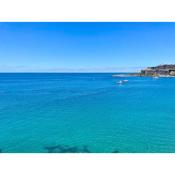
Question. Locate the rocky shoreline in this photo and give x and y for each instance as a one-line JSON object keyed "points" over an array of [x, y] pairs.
{"points": [[165, 70]]}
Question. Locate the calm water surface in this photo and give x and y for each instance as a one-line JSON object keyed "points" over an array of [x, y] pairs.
{"points": [[86, 113]]}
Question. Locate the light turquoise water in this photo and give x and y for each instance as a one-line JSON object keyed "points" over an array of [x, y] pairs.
{"points": [[86, 113]]}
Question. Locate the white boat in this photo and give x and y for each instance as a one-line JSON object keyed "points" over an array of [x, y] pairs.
{"points": [[155, 77], [122, 81], [125, 81]]}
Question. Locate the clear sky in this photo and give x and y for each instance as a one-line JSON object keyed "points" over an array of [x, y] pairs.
{"points": [[84, 47]]}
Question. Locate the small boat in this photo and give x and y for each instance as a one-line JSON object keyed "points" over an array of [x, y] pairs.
{"points": [[125, 81], [155, 77], [122, 81]]}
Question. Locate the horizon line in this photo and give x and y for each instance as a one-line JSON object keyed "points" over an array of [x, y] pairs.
{"points": [[72, 72]]}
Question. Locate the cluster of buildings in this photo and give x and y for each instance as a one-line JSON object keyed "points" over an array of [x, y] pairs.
{"points": [[161, 70]]}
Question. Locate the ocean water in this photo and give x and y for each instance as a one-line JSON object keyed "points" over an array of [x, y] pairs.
{"points": [[47, 112]]}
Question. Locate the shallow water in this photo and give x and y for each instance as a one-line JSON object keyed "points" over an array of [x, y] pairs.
{"points": [[86, 113]]}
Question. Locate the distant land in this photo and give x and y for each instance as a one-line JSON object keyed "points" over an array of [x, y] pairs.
{"points": [[164, 70], [161, 70]]}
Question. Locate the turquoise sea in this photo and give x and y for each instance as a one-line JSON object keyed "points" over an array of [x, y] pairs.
{"points": [[88, 112]]}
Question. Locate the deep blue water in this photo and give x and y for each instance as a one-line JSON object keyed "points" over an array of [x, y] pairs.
{"points": [[86, 113]]}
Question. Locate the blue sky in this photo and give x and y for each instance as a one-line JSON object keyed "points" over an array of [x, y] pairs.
{"points": [[85, 47]]}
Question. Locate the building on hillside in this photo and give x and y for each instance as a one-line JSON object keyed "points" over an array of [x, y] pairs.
{"points": [[161, 70]]}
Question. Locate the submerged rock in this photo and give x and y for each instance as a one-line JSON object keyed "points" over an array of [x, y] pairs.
{"points": [[85, 149], [66, 149]]}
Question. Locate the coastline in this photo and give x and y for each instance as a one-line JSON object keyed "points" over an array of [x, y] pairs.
{"points": [[139, 75], [165, 71]]}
